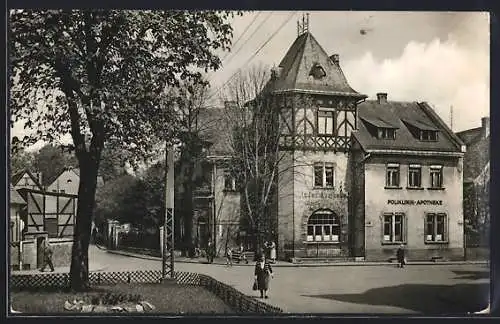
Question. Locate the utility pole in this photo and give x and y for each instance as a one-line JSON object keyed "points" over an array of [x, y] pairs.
{"points": [[168, 226]]}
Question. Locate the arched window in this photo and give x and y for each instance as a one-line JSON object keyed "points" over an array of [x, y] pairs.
{"points": [[323, 226]]}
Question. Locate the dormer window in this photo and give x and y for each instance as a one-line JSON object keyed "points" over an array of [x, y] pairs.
{"points": [[428, 135], [386, 133], [317, 71], [422, 131]]}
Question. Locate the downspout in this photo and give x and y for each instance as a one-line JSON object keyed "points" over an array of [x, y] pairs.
{"points": [[214, 209]]}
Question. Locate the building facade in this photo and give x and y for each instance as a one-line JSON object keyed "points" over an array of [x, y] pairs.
{"points": [[338, 152]]}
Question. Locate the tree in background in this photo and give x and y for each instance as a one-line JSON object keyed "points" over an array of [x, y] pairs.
{"points": [[22, 160], [100, 76], [51, 161], [255, 146]]}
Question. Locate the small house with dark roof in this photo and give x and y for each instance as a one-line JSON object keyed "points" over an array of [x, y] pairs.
{"points": [[406, 170], [27, 179]]}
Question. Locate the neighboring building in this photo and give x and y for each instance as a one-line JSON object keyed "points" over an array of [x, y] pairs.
{"points": [[68, 182], [27, 179], [17, 206], [216, 200], [477, 180]]}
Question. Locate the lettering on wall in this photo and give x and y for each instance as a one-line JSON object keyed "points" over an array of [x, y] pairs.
{"points": [[415, 202], [322, 195]]}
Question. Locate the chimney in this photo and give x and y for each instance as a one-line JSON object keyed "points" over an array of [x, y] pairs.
{"points": [[276, 72], [335, 59], [485, 125], [382, 97]]}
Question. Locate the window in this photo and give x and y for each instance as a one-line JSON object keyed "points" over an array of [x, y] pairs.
{"points": [[323, 175], [323, 226], [325, 122], [415, 176], [62, 191], [386, 133], [51, 227], [229, 182], [436, 173], [435, 227], [392, 175], [394, 228], [317, 71], [428, 135]]}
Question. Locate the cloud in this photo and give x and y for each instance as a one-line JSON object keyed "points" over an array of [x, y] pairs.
{"points": [[442, 73]]}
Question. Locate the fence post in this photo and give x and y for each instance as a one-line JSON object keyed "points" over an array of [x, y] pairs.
{"points": [[98, 278], [128, 277]]}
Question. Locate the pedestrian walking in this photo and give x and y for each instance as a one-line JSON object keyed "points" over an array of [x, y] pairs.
{"points": [[272, 251], [229, 257], [263, 272], [400, 255], [243, 257], [47, 256], [210, 251], [266, 249]]}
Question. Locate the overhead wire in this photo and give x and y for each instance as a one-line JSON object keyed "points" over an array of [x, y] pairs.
{"points": [[254, 54]]}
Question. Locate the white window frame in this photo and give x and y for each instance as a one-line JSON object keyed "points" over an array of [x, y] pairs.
{"points": [[326, 131], [332, 228], [435, 237], [324, 182], [436, 169], [392, 167], [414, 167], [229, 177], [391, 237]]}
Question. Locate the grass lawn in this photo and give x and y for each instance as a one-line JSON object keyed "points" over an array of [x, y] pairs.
{"points": [[167, 298]]}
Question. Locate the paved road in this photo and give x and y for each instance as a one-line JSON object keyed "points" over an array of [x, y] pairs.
{"points": [[417, 289]]}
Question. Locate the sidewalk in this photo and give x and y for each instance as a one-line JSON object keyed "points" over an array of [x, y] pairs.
{"points": [[222, 261], [92, 268]]}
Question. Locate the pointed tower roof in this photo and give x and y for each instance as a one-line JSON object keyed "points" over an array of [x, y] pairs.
{"points": [[307, 68]]}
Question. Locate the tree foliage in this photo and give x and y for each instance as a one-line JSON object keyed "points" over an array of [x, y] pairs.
{"points": [[101, 75], [51, 161]]}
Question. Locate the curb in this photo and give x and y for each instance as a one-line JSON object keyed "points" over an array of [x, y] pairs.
{"points": [[295, 265]]}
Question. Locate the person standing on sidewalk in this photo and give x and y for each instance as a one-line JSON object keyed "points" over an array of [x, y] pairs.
{"points": [[272, 251], [263, 272], [210, 251], [400, 255], [47, 256], [229, 257]]}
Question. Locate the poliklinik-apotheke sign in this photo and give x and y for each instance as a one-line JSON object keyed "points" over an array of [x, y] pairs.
{"points": [[415, 202]]}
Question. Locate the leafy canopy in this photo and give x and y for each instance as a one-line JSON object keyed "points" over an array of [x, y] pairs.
{"points": [[102, 74]]}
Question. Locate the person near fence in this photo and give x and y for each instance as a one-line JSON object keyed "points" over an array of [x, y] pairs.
{"points": [[229, 257], [210, 251], [272, 251], [263, 272], [400, 255], [47, 256]]}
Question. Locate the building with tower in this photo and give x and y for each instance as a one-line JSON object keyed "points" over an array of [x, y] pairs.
{"points": [[358, 178]]}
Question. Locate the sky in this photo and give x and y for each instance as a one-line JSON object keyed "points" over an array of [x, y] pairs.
{"points": [[441, 57]]}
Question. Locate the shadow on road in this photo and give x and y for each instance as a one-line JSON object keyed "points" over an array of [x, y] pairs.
{"points": [[472, 275], [422, 298]]}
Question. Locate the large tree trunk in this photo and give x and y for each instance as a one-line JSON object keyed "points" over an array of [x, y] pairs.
{"points": [[79, 269], [188, 208]]}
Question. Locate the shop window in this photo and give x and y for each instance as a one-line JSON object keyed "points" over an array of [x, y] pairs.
{"points": [[436, 173], [323, 226], [392, 175], [435, 228], [325, 122], [415, 176], [394, 228], [323, 175]]}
